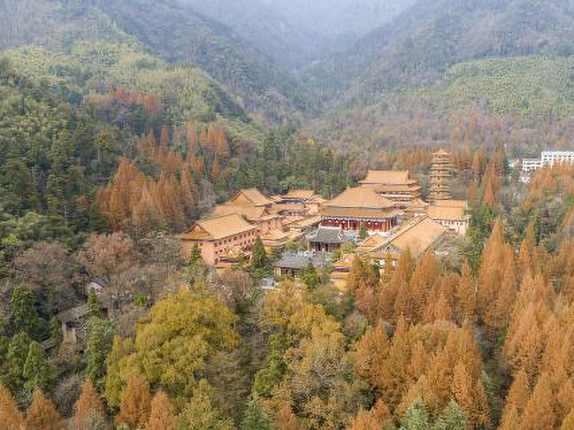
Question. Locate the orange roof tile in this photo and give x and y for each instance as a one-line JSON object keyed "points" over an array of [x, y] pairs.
{"points": [[251, 195], [361, 197], [387, 177], [219, 228], [447, 213], [299, 194], [250, 212], [452, 203], [418, 235]]}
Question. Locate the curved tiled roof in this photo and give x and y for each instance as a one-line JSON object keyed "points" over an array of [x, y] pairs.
{"points": [[387, 177], [361, 197], [219, 228]]}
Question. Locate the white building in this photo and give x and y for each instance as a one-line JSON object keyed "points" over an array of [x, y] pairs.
{"points": [[531, 164], [547, 158]]}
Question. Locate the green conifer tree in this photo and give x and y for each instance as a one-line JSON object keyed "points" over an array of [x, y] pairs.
{"points": [[24, 313], [363, 230], [310, 277], [453, 418], [255, 418], [195, 256], [56, 332], [416, 417], [15, 360], [98, 345], [259, 260], [94, 305], [38, 370]]}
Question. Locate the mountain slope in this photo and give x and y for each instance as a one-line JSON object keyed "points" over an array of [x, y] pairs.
{"points": [[297, 32], [166, 28], [265, 27], [434, 34]]}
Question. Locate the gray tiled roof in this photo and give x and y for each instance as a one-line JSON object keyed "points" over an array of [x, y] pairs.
{"points": [[333, 235], [300, 261]]}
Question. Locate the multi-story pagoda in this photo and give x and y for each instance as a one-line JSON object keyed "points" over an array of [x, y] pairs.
{"points": [[440, 175]]}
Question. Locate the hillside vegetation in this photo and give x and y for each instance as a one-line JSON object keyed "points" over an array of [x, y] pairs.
{"points": [[189, 38], [424, 41]]}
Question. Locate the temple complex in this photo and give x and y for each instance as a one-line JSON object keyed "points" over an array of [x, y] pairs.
{"points": [[360, 206], [440, 175]]}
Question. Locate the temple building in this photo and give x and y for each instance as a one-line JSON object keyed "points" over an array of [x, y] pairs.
{"points": [[419, 235], [360, 206], [451, 214], [220, 239], [252, 197], [261, 216], [254, 207], [298, 203], [329, 239], [440, 175], [393, 185]]}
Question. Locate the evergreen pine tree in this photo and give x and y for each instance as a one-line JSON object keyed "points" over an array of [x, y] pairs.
{"points": [[98, 345], [24, 312], [38, 370], [259, 260], [56, 332], [416, 417], [94, 305], [453, 418], [255, 418], [310, 277], [363, 230], [195, 256], [15, 361]]}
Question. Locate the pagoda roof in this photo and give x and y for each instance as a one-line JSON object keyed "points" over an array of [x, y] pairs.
{"points": [[441, 152]]}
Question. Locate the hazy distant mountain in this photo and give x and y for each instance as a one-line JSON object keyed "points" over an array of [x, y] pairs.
{"points": [[298, 31], [337, 19], [265, 27], [426, 39]]}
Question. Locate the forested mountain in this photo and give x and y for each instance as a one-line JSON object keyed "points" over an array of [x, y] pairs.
{"points": [[167, 29], [123, 122], [430, 36]]}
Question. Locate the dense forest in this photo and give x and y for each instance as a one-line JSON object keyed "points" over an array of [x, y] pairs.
{"points": [[124, 122]]}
